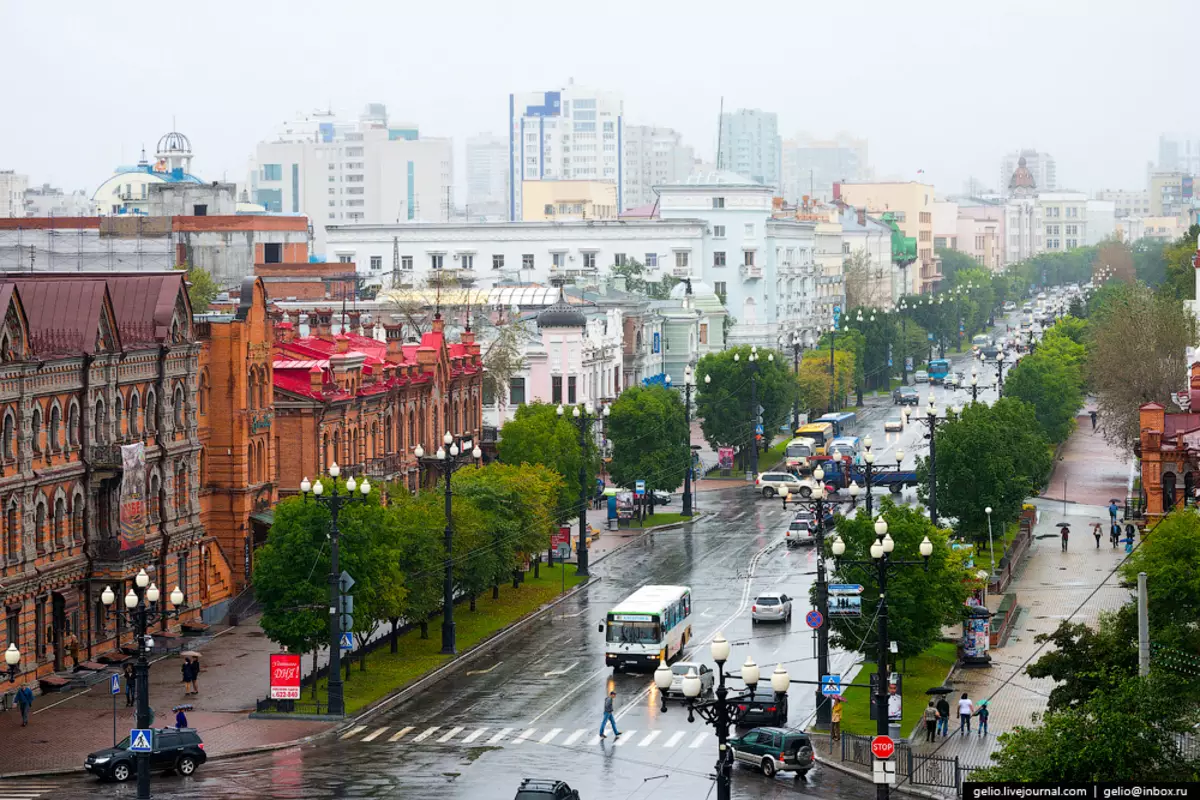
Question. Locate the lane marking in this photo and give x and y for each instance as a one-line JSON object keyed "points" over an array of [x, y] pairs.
{"points": [[473, 735], [699, 740], [549, 736], [569, 693], [370, 737], [624, 737], [357, 729], [420, 737], [497, 737], [400, 735], [574, 737], [649, 738], [674, 740], [484, 671], [562, 671], [525, 735], [573, 616], [450, 735]]}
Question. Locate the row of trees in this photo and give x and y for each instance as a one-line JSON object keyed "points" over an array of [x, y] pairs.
{"points": [[392, 545]]}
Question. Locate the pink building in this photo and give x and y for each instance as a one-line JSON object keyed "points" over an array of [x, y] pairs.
{"points": [[981, 234]]}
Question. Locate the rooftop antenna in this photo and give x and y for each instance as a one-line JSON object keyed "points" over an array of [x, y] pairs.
{"points": [[468, 290], [437, 308], [720, 126], [396, 261]]}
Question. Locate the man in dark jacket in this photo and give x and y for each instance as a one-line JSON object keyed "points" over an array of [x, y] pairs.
{"points": [[943, 709], [25, 702]]}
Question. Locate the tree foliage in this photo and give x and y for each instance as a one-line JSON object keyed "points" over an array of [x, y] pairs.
{"points": [[920, 602], [202, 289], [1170, 556], [649, 438], [955, 261], [1179, 276], [1051, 380], [814, 380], [723, 401], [1086, 660], [633, 271], [291, 577], [1116, 256], [538, 435], [863, 286]]}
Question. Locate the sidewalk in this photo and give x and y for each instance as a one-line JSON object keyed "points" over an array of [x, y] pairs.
{"points": [[1090, 471], [65, 727]]}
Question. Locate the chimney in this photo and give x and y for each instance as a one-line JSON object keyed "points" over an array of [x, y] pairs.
{"points": [[284, 332], [316, 380], [324, 323], [341, 343], [467, 338], [355, 322], [394, 335], [439, 324], [862, 217], [294, 316], [837, 191], [426, 358]]}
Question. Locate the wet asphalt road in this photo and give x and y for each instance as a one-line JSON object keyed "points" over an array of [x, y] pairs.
{"points": [[531, 706]]}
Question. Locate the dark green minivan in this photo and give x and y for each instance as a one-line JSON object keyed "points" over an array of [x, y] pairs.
{"points": [[774, 750]]}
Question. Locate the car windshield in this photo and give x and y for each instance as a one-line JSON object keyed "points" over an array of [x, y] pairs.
{"points": [[634, 633], [682, 669], [767, 601], [799, 525]]}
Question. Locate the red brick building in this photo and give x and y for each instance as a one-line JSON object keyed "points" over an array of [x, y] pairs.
{"points": [[1169, 449]]}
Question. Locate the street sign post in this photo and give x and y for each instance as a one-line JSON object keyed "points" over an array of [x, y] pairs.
{"points": [[831, 685], [347, 641], [883, 747], [639, 488], [114, 688], [141, 740], [814, 619], [758, 429], [845, 588], [345, 582]]}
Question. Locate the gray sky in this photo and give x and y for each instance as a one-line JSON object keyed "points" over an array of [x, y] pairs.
{"points": [[941, 85]]}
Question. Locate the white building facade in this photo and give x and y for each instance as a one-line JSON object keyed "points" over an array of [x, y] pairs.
{"points": [[653, 157], [571, 133], [1064, 220], [1101, 221], [749, 146], [1022, 229], [12, 193], [487, 176], [50, 201]]}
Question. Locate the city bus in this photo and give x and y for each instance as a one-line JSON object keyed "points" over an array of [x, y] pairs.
{"points": [[820, 432], [798, 451], [845, 423], [653, 624], [938, 369], [846, 447]]}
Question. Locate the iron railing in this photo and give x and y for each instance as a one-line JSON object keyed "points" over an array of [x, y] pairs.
{"points": [[939, 772], [268, 706], [105, 456]]}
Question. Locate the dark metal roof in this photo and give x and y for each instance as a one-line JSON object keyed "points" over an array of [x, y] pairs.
{"points": [[561, 315], [142, 302], [63, 315]]}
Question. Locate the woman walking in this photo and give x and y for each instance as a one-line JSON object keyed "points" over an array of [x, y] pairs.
{"points": [[1096, 533], [130, 685], [931, 721], [964, 714], [1066, 534]]}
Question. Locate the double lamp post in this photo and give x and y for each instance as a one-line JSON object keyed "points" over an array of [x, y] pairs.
{"points": [[931, 419], [754, 415], [689, 381], [583, 421]]}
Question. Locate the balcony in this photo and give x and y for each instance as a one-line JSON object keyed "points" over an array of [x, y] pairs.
{"points": [[384, 466], [105, 457], [751, 272]]}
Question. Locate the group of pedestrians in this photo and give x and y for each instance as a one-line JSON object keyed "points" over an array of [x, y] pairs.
{"points": [[937, 717]]}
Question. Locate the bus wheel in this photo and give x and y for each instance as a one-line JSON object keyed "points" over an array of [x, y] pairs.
{"points": [[896, 488]]}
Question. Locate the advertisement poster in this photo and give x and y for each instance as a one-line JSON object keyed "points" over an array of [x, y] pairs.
{"points": [[895, 693], [133, 496], [285, 676], [624, 505], [725, 457], [976, 633], [845, 606]]}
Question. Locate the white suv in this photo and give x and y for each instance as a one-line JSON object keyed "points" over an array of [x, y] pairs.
{"points": [[800, 531], [772, 483]]}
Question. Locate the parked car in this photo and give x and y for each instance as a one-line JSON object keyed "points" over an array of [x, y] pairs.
{"points": [[545, 789], [679, 671], [763, 708], [1009, 305], [921, 376], [905, 396], [174, 749], [774, 750], [771, 607], [771, 484], [950, 381], [800, 531], [895, 423], [661, 498]]}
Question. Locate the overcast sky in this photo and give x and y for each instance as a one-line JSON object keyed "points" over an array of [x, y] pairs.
{"points": [[946, 86]]}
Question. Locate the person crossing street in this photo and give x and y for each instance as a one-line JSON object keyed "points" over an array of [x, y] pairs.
{"points": [[608, 716]]}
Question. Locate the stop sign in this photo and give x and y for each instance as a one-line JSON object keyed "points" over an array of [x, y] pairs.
{"points": [[883, 747]]}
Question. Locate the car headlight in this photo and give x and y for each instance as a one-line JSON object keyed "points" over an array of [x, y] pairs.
{"points": [[101, 760]]}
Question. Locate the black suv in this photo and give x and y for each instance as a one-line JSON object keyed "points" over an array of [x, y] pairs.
{"points": [[763, 709], [178, 749], [545, 789], [905, 396]]}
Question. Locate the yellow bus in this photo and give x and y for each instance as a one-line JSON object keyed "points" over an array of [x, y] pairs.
{"points": [[820, 432]]}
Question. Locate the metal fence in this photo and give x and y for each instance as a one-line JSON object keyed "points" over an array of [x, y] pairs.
{"points": [[291, 707], [934, 771]]}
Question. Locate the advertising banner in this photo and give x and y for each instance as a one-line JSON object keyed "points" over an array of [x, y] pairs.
{"points": [[895, 695], [285, 676], [133, 496], [725, 457]]}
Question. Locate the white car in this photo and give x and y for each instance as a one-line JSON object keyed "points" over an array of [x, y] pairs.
{"points": [[679, 671], [771, 607], [893, 424], [950, 381], [799, 531], [772, 483], [920, 376]]}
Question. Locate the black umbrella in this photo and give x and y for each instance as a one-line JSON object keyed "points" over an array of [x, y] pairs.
{"points": [[939, 690], [1063, 525]]}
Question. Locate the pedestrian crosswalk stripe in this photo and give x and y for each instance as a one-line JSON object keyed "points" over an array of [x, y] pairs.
{"points": [[473, 735], [400, 734], [546, 739], [699, 740], [524, 735], [370, 737], [674, 740], [650, 738], [425, 734], [357, 729], [625, 737], [449, 735], [574, 737], [19, 790], [595, 739], [499, 736]]}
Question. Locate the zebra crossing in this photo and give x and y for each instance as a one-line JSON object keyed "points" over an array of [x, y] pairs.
{"points": [[17, 789], [416, 735]]}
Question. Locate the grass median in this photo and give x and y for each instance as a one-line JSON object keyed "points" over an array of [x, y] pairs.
{"points": [[922, 672], [387, 671]]}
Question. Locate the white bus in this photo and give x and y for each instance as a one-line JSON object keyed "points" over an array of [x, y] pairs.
{"points": [[652, 624], [798, 452]]}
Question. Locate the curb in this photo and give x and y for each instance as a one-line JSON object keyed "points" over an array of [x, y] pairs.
{"points": [[863, 776], [668, 526]]}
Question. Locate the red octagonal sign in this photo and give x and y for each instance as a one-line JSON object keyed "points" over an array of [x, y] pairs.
{"points": [[883, 747]]}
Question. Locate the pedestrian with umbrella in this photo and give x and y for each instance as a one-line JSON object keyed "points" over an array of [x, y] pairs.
{"points": [[180, 717], [1065, 532]]}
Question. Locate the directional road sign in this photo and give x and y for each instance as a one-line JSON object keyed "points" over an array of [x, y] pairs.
{"points": [[347, 604], [141, 740], [831, 685], [883, 747], [814, 619], [845, 588], [345, 582], [114, 683], [346, 623], [760, 411], [347, 641]]}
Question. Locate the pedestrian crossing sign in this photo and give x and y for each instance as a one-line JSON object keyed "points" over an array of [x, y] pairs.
{"points": [[831, 685], [347, 641], [141, 740]]}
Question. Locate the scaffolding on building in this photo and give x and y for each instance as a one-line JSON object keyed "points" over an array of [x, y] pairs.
{"points": [[69, 244]]}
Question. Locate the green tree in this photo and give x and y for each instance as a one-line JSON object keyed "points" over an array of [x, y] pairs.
{"points": [[370, 553], [202, 289], [1087, 660], [814, 380], [1170, 557], [954, 261], [1127, 734], [538, 435], [990, 456], [649, 439], [723, 401], [1051, 381], [633, 271], [422, 517], [1149, 262], [920, 602], [1179, 274]]}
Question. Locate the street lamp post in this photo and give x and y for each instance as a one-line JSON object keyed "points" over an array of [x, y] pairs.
{"points": [[882, 563], [795, 371], [974, 385], [12, 657], [334, 502], [753, 359], [1000, 371], [584, 421], [903, 342], [727, 707], [932, 420], [832, 368], [141, 611], [991, 547], [689, 380], [447, 459], [868, 473]]}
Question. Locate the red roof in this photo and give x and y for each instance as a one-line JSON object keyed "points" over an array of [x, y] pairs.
{"points": [[63, 315]]}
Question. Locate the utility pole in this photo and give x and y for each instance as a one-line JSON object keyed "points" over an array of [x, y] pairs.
{"points": [[1143, 614]]}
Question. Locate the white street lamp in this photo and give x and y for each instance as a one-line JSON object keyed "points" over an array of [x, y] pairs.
{"points": [[750, 672], [720, 649], [143, 580], [334, 470], [691, 683]]}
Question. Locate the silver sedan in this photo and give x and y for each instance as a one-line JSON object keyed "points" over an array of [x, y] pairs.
{"points": [[771, 607]]}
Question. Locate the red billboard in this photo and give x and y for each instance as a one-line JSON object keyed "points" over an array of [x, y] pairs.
{"points": [[285, 676]]}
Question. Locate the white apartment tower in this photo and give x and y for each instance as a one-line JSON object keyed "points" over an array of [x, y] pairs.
{"points": [[12, 193], [750, 146], [369, 170], [487, 175], [653, 157], [571, 133]]}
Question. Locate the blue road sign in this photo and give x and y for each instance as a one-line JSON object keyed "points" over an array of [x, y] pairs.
{"points": [[114, 683], [814, 619], [758, 429], [845, 588], [639, 488], [347, 641], [831, 685], [141, 740]]}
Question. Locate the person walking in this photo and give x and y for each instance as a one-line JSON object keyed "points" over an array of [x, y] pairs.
{"points": [[1096, 533], [983, 713], [931, 721], [195, 676], [180, 718], [25, 702], [1114, 535], [130, 685], [1066, 534], [835, 728], [1129, 540], [943, 721], [964, 715], [186, 669], [608, 716], [1093, 415], [1112, 511]]}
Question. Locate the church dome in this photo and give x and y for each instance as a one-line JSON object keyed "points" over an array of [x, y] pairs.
{"points": [[174, 142], [1022, 178], [561, 315]]}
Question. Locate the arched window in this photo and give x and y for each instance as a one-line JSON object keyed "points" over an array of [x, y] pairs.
{"points": [[264, 389], [151, 411], [181, 490], [251, 463], [412, 430], [77, 517], [9, 439], [263, 477], [252, 389], [100, 424], [41, 535], [55, 442], [337, 443], [325, 454], [178, 402], [204, 393], [73, 424], [35, 426], [203, 466], [118, 417], [155, 491], [135, 413], [60, 522], [12, 530]]}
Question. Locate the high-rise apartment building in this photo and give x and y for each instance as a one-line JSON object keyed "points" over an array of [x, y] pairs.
{"points": [[487, 176], [749, 145], [571, 133], [653, 157], [1041, 166], [811, 166], [1179, 153], [369, 170], [12, 193], [1126, 202]]}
